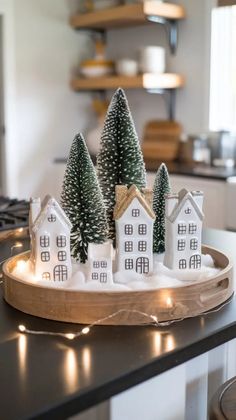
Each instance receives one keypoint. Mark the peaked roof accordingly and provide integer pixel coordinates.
(132, 193)
(47, 203)
(183, 196)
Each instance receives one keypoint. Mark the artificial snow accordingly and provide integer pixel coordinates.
(162, 277)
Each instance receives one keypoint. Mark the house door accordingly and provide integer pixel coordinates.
(60, 273)
(195, 261)
(142, 265)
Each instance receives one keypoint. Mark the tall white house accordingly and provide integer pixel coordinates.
(134, 220)
(50, 239)
(183, 236)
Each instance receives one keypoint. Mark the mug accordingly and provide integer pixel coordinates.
(152, 59)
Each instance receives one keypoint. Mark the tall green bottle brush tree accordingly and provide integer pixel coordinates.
(160, 189)
(82, 201)
(120, 160)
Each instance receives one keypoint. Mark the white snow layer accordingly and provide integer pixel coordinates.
(126, 281)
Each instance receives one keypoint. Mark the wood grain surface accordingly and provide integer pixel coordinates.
(85, 307)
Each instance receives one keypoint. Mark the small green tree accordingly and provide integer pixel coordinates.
(120, 160)
(160, 189)
(82, 201)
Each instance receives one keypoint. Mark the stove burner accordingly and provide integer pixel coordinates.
(13, 213)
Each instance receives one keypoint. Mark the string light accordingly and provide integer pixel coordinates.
(22, 328)
(152, 318)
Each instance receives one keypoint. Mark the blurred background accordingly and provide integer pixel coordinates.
(61, 60)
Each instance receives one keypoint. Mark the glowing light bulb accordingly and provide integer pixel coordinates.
(85, 330)
(20, 266)
(169, 302)
(70, 336)
(20, 230)
(21, 328)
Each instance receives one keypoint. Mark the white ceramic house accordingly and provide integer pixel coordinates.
(134, 220)
(100, 262)
(183, 237)
(50, 240)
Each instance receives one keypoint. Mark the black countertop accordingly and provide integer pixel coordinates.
(49, 377)
(177, 168)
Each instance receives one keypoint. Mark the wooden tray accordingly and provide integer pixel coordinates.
(85, 307)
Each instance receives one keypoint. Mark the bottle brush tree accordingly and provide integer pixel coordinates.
(160, 189)
(120, 160)
(82, 201)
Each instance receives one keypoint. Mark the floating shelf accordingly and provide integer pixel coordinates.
(145, 81)
(127, 15)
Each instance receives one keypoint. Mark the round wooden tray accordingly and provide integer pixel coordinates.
(85, 307)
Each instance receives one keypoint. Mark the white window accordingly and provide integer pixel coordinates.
(44, 241)
(142, 229)
(46, 276)
(192, 228)
(128, 246)
(182, 228)
(103, 264)
(94, 276)
(135, 212)
(128, 229)
(45, 256)
(61, 241)
(129, 264)
(193, 243)
(103, 277)
(62, 255)
(187, 210)
(223, 64)
(142, 246)
(182, 264)
(96, 264)
(52, 218)
(181, 244)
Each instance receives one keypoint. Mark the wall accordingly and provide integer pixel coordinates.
(191, 59)
(48, 114)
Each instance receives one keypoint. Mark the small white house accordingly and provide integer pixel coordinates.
(183, 236)
(50, 240)
(134, 220)
(100, 262)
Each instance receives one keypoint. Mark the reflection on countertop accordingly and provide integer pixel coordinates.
(178, 168)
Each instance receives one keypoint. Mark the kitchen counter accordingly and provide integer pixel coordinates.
(177, 168)
(44, 377)
(202, 171)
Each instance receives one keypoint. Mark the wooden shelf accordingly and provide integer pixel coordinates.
(127, 15)
(144, 81)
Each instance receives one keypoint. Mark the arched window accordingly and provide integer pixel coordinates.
(182, 264)
(195, 261)
(60, 273)
(142, 265)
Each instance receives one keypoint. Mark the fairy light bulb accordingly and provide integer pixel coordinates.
(169, 302)
(18, 245)
(21, 328)
(85, 330)
(20, 265)
(70, 336)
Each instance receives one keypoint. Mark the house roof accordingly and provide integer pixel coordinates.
(100, 250)
(48, 203)
(132, 193)
(182, 197)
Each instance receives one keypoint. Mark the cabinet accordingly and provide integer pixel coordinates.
(215, 202)
(129, 15)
